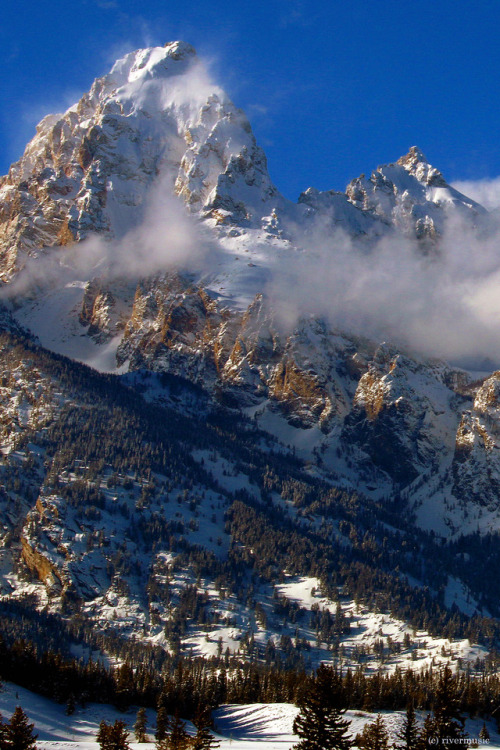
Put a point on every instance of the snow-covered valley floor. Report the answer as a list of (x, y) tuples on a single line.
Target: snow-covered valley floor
[(238, 727)]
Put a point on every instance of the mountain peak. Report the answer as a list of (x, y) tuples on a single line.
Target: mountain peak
[(153, 62), (416, 164), (414, 156), (178, 50)]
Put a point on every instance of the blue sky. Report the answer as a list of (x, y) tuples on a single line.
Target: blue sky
[(332, 89)]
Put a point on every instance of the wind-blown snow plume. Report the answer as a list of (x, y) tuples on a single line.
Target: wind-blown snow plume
[(167, 238), (486, 192)]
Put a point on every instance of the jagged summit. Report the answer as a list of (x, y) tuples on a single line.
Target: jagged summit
[(408, 196), (416, 163), (415, 154), (413, 157), (179, 49), (156, 118), (412, 196), (153, 62)]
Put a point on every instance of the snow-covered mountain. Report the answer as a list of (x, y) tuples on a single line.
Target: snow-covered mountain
[(156, 115), (157, 122), (141, 233)]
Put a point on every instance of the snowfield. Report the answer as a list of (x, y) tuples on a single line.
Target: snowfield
[(238, 727)]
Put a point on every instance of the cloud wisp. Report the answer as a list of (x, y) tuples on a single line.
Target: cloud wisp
[(167, 238), (444, 304), (486, 192)]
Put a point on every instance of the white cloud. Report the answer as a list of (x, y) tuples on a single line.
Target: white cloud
[(444, 305), (168, 238), (486, 192)]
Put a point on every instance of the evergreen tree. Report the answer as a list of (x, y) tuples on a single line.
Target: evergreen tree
[(447, 721), (203, 739), (102, 734), (140, 726), (119, 736), (19, 732), (113, 736), (70, 705), (374, 736), (320, 724), (178, 738), (428, 736), (484, 734), (125, 686), (162, 724), (409, 734), (4, 741)]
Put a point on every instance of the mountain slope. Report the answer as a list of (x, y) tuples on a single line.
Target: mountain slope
[(196, 532), (247, 442)]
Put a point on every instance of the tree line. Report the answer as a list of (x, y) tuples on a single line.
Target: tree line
[(320, 724), (190, 685)]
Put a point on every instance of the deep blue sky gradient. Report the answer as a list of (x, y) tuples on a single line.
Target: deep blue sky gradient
[(332, 89)]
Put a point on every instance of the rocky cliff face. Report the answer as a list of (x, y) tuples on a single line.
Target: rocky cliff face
[(476, 465), (404, 415), (177, 328), (400, 415)]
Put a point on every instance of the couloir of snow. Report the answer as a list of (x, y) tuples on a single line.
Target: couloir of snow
[(53, 318)]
